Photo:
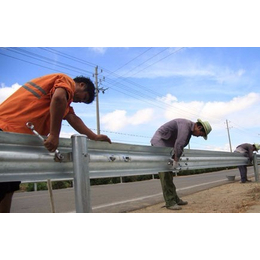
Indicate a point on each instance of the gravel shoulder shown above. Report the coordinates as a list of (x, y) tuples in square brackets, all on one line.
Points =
[(233, 197)]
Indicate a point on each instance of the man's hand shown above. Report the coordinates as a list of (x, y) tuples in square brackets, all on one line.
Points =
[(175, 160), (103, 138), (175, 165), (51, 143)]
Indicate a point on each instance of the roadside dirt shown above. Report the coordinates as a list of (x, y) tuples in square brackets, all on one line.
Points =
[(233, 197)]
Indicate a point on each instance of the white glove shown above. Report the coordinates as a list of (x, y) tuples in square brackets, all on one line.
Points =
[(175, 165)]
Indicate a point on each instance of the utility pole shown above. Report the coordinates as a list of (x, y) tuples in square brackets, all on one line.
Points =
[(229, 136), (97, 98), (97, 102)]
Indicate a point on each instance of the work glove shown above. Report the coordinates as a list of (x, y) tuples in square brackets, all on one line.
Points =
[(173, 163)]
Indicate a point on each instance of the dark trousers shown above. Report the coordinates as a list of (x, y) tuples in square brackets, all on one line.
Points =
[(243, 173), (6, 187), (168, 188)]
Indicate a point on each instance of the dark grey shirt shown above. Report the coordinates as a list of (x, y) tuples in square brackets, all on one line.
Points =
[(175, 133), (246, 149)]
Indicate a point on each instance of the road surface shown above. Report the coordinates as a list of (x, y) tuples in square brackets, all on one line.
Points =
[(122, 197)]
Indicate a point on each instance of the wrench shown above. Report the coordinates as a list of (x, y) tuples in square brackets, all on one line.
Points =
[(58, 155)]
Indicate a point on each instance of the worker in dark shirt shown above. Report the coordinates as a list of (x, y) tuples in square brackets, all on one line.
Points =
[(247, 151), (176, 134)]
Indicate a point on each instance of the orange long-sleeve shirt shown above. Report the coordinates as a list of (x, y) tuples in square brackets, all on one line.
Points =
[(31, 103)]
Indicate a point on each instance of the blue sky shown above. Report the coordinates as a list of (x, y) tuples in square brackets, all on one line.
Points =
[(148, 86)]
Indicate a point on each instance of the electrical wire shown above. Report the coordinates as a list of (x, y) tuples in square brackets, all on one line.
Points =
[(138, 94), (132, 60), (135, 93), (47, 60)]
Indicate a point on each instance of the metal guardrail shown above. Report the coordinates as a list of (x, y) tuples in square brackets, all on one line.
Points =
[(201, 159), (23, 158)]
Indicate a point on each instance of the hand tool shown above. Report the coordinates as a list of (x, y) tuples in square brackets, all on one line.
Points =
[(58, 156)]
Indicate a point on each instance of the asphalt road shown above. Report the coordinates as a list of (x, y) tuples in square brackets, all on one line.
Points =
[(120, 197)]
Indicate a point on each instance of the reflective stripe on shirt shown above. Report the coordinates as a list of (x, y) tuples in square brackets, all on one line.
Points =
[(32, 91)]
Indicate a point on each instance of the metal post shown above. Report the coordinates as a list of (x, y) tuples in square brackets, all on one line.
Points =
[(51, 195), (97, 101), (229, 136), (81, 174), (256, 168)]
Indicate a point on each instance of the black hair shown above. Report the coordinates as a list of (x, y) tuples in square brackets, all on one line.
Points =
[(90, 87)]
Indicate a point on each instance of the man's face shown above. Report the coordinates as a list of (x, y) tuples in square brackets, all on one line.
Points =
[(80, 95), (198, 131)]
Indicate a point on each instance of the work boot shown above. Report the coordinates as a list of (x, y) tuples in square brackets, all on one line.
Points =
[(181, 202), (174, 207)]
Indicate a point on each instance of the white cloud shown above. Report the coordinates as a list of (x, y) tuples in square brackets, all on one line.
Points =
[(236, 105), (141, 117), (119, 119), (168, 99), (243, 110), (5, 91), (115, 120)]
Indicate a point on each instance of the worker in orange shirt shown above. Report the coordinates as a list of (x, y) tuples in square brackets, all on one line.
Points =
[(45, 102)]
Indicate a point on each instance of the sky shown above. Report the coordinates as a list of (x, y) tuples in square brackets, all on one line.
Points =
[(145, 87)]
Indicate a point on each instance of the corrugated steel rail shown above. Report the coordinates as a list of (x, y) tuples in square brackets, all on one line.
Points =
[(23, 158)]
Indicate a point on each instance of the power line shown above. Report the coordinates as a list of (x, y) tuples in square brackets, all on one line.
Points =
[(29, 62), (117, 133), (148, 90), (138, 93), (145, 61), (46, 60), (132, 60), (242, 129), (147, 99), (135, 92), (70, 57), (157, 61)]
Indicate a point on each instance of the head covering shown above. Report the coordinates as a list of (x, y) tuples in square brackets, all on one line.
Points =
[(206, 126), (257, 146)]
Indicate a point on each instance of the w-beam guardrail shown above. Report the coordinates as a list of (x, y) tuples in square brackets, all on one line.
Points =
[(24, 158)]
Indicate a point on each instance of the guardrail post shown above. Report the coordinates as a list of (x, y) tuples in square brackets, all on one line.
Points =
[(81, 174), (256, 168)]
